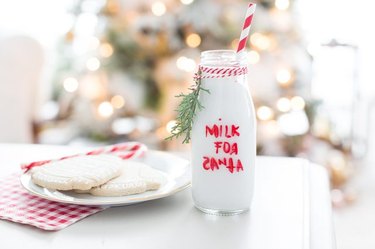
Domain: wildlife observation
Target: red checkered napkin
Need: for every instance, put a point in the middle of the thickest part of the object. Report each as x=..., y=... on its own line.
x=17, y=205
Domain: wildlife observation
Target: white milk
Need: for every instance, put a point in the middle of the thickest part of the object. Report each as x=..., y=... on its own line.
x=223, y=131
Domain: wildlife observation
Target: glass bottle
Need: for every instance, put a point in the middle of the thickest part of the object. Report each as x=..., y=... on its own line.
x=224, y=136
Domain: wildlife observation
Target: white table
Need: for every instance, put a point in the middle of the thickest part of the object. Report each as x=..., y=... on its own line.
x=291, y=210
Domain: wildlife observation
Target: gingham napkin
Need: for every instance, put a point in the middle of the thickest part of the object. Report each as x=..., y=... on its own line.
x=17, y=205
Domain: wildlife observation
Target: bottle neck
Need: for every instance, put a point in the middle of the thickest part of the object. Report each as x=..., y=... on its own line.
x=222, y=58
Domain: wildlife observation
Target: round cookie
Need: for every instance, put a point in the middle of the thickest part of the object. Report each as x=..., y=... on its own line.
x=80, y=173
x=135, y=178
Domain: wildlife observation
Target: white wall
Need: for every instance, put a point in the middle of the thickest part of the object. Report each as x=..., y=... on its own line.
x=41, y=19
x=347, y=21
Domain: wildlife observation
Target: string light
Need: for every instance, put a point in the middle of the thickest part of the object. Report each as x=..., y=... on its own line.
x=260, y=41
x=106, y=50
x=158, y=8
x=170, y=126
x=297, y=103
x=70, y=84
x=93, y=64
x=283, y=77
x=253, y=57
x=105, y=109
x=282, y=4
x=283, y=104
x=185, y=64
x=193, y=40
x=187, y=2
x=265, y=113
x=117, y=101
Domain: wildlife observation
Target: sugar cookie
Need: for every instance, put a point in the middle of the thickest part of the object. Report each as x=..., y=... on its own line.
x=81, y=173
x=135, y=178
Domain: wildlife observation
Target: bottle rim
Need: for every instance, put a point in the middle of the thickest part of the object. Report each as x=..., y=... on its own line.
x=223, y=57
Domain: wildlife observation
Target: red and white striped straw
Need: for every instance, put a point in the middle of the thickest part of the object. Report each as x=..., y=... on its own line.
x=246, y=27
x=124, y=151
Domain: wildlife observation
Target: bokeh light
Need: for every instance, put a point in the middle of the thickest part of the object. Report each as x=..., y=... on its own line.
x=283, y=77
x=187, y=2
x=93, y=64
x=70, y=84
x=170, y=126
x=158, y=8
x=193, y=40
x=117, y=101
x=265, y=113
x=106, y=50
x=105, y=109
x=282, y=4
x=283, y=104
x=260, y=41
x=185, y=64
x=297, y=103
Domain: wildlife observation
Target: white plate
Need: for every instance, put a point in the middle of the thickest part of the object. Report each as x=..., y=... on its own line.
x=176, y=169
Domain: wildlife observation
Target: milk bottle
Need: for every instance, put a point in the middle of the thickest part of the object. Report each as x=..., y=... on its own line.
x=223, y=136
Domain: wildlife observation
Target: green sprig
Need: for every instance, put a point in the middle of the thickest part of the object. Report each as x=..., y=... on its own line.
x=186, y=111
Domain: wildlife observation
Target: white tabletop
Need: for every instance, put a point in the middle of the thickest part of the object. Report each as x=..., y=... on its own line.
x=291, y=210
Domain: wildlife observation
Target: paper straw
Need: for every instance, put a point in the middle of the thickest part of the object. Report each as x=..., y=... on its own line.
x=246, y=27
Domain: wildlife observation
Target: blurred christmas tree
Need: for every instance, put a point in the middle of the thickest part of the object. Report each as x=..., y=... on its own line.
x=123, y=62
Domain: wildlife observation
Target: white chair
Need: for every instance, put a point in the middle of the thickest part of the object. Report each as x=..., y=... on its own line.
x=21, y=60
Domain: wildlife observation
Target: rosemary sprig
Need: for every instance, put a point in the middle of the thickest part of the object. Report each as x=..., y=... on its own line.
x=187, y=109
